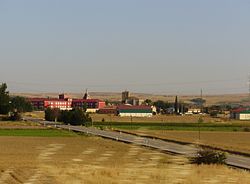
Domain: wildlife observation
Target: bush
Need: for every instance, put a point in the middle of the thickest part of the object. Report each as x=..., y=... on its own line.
x=208, y=156
x=246, y=129
x=214, y=114
x=21, y=104
x=73, y=117
x=52, y=114
x=15, y=116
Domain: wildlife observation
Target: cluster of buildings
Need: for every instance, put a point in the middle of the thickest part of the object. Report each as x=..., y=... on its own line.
x=240, y=114
x=66, y=103
x=130, y=106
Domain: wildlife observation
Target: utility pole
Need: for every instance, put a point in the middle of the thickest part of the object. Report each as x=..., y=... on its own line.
x=200, y=120
x=201, y=105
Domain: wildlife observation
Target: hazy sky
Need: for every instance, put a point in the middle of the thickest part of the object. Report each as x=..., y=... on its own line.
x=156, y=46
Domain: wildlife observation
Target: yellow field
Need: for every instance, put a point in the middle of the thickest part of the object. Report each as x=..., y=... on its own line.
x=90, y=160
x=35, y=114
x=163, y=119
x=14, y=124
x=233, y=141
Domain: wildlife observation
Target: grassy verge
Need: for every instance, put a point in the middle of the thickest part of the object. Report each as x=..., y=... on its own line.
x=37, y=133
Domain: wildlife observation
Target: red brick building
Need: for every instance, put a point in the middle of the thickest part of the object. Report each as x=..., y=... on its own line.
x=64, y=103
x=92, y=105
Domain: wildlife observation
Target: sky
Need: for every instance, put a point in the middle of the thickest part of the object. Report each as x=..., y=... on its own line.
x=150, y=46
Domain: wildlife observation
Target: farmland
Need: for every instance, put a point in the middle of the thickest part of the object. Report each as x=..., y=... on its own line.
x=36, y=133
x=231, y=141
x=82, y=159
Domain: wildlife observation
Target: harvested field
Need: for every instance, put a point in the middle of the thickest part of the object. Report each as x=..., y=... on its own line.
x=163, y=119
x=20, y=125
x=96, y=160
x=35, y=114
x=233, y=141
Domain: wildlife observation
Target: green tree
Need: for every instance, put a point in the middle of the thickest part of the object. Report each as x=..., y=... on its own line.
x=85, y=106
x=161, y=106
x=176, y=105
x=148, y=102
x=20, y=104
x=4, y=99
x=73, y=117
x=52, y=114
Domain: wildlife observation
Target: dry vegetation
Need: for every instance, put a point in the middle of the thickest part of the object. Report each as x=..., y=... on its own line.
x=35, y=114
x=95, y=160
x=154, y=119
x=19, y=125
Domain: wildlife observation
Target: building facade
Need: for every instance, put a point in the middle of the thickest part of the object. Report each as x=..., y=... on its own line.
x=65, y=103
x=240, y=114
x=92, y=105
x=134, y=111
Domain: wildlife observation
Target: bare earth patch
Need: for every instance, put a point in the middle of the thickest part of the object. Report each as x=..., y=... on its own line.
x=73, y=160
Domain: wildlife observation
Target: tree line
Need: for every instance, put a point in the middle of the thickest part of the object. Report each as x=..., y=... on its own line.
x=13, y=105
x=74, y=117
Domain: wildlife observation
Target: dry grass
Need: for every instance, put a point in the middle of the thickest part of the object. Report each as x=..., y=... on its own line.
x=234, y=141
x=95, y=160
x=14, y=124
x=35, y=114
x=163, y=119
x=155, y=119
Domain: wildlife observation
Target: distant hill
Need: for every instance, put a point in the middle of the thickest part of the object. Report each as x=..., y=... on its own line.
x=113, y=96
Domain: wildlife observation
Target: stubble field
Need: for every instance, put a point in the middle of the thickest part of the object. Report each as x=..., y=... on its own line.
x=82, y=159
x=231, y=141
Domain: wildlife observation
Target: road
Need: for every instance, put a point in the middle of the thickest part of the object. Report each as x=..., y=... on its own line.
x=186, y=150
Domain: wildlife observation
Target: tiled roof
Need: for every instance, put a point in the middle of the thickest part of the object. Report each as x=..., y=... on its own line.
x=86, y=100
x=238, y=110
x=133, y=107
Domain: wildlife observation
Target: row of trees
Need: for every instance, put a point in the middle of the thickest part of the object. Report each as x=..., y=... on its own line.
x=74, y=117
x=166, y=107
x=13, y=105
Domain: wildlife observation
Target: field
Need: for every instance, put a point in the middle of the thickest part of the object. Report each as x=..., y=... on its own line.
x=232, y=141
x=90, y=160
x=235, y=127
x=36, y=132
x=164, y=119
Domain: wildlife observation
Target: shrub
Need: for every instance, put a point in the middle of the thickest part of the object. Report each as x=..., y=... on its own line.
x=73, y=117
x=20, y=104
x=246, y=129
x=15, y=116
x=209, y=156
x=52, y=114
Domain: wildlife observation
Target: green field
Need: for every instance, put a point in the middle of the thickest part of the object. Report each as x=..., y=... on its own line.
x=36, y=133
x=243, y=127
